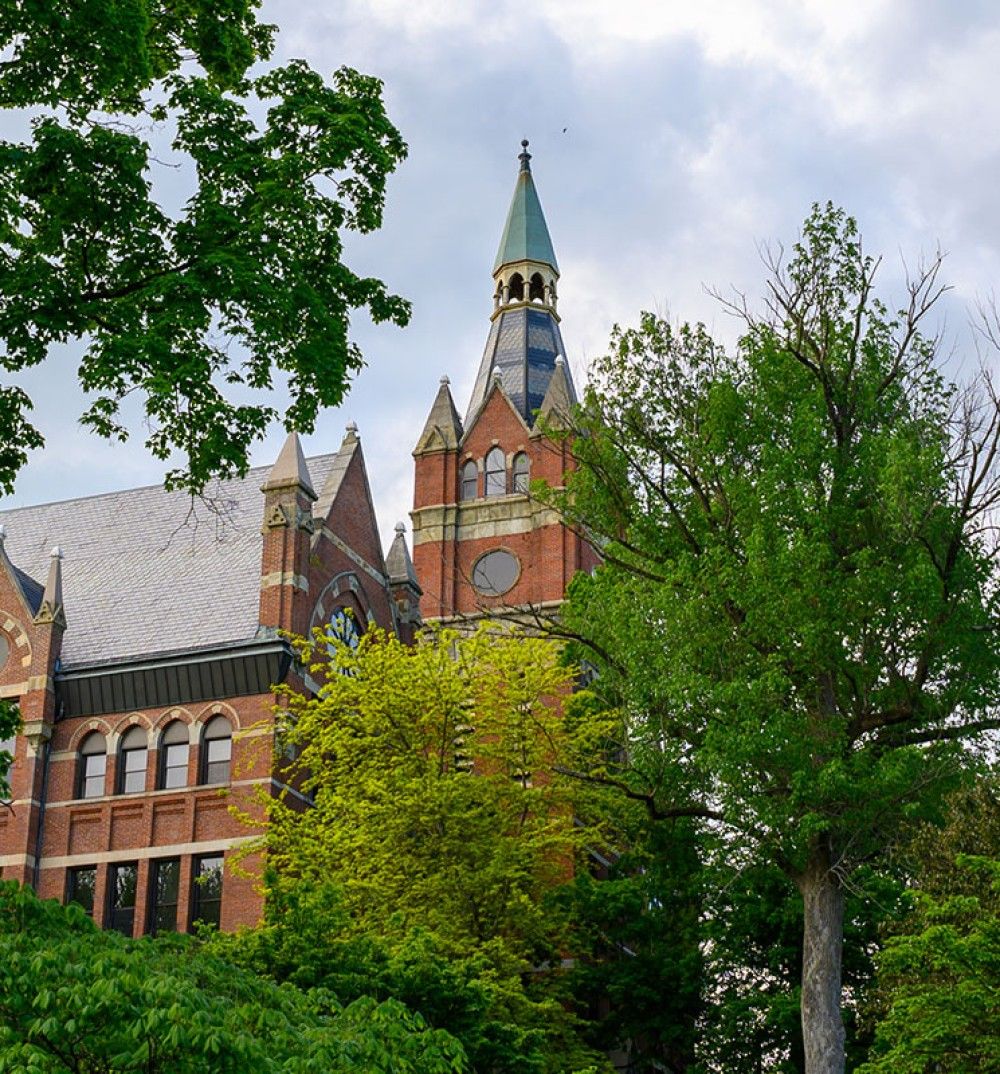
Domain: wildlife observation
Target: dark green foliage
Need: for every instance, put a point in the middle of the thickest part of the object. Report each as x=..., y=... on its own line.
x=75, y=1000
x=639, y=973
x=197, y=310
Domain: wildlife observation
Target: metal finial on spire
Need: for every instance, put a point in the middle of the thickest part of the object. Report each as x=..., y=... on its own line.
x=524, y=156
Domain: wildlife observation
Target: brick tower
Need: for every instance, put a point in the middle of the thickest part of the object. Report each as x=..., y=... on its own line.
x=480, y=541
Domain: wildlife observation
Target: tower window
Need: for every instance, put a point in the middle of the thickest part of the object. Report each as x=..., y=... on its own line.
x=132, y=762
x=174, y=756
x=93, y=764
x=470, y=481
x=517, y=287
x=522, y=472
x=496, y=473
x=536, y=288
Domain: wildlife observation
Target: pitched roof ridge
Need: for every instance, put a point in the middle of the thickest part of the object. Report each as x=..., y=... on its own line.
x=262, y=469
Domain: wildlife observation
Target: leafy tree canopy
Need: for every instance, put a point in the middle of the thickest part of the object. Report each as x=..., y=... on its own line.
x=196, y=309
x=794, y=620
x=76, y=1000
x=442, y=836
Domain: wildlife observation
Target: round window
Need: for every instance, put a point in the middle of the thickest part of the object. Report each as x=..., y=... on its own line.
x=495, y=572
x=343, y=626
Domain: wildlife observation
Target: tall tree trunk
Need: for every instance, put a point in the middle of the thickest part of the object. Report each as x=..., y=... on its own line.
x=822, y=947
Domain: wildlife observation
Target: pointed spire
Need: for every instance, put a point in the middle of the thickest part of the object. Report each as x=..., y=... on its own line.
x=560, y=398
x=398, y=564
x=525, y=235
x=290, y=468
x=51, y=608
x=443, y=428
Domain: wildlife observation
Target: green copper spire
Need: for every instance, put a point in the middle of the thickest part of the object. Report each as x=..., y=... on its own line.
x=525, y=236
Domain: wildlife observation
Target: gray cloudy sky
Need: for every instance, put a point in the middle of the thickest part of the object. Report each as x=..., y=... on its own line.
x=693, y=132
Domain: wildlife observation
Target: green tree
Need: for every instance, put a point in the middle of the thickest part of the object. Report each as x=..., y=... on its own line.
x=794, y=619
x=75, y=1000
x=195, y=309
x=444, y=839
x=939, y=974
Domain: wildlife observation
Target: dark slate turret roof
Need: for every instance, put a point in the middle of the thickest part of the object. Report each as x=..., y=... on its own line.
x=523, y=344
x=149, y=571
x=525, y=234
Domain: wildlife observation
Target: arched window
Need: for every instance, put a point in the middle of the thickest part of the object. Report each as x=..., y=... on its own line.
x=496, y=473
x=536, y=288
x=216, y=750
x=174, y=751
x=517, y=287
x=93, y=764
x=521, y=472
x=132, y=761
x=470, y=481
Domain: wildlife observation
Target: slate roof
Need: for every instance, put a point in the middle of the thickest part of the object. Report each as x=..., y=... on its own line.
x=523, y=344
x=148, y=571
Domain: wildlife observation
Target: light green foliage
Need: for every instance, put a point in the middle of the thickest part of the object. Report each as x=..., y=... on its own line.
x=939, y=974
x=436, y=823
x=75, y=1000
x=243, y=286
x=793, y=616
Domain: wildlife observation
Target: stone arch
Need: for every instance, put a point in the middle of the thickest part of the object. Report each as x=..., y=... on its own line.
x=20, y=643
x=516, y=287
x=536, y=288
x=176, y=713
x=343, y=589
x=128, y=721
x=81, y=733
x=217, y=708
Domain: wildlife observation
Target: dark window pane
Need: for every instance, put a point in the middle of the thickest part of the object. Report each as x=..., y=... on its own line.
x=165, y=886
x=81, y=885
x=133, y=778
x=521, y=472
x=470, y=481
x=208, y=890
x=175, y=765
x=92, y=781
x=496, y=473
x=218, y=753
x=121, y=897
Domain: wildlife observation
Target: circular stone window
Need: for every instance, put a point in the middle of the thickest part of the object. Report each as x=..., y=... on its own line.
x=495, y=572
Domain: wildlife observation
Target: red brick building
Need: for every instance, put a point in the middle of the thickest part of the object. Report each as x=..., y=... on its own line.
x=142, y=664
x=140, y=633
